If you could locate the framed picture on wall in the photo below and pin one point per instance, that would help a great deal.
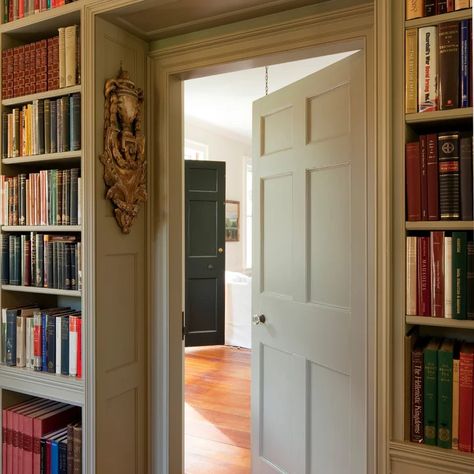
(232, 213)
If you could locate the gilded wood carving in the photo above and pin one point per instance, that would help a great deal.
(124, 149)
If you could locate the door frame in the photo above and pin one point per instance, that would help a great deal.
(326, 30)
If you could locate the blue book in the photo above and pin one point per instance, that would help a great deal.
(44, 345)
(465, 59)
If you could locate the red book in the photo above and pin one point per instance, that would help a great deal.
(21, 9)
(450, 6)
(53, 63)
(46, 424)
(41, 65)
(424, 177)
(413, 181)
(10, 11)
(79, 347)
(423, 286)
(4, 73)
(466, 376)
(19, 71)
(37, 6)
(10, 72)
(437, 274)
(432, 177)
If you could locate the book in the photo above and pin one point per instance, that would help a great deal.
(430, 7)
(427, 69)
(466, 399)
(423, 277)
(437, 273)
(411, 277)
(77, 450)
(470, 280)
(414, 9)
(430, 391)
(424, 177)
(62, 57)
(432, 177)
(448, 62)
(413, 181)
(441, 7)
(459, 274)
(466, 178)
(417, 380)
(445, 395)
(70, 60)
(411, 68)
(461, 4)
(465, 60)
(449, 176)
(455, 396)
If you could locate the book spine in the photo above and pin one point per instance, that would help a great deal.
(70, 449)
(445, 401)
(430, 395)
(423, 277)
(411, 69)
(465, 58)
(65, 123)
(441, 7)
(455, 397)
(459, 274)
(411, 280)
(40, 135)
(448, 277)
(58, 344)
(449, 176)
(37, 342)
(5, 259)
(54, 126)
(44, 344)
(414, 9)
(51, 343)
(20, 341)
(448, 62)
(62, 57)
(74, 196)
(79, 347)
(427, 69)
(461, 4)
(75, 122)
(5, 135)
(417, 424)
(10, 356)
(64, 345)
(432, 179)
(437, 274)
(424, 177)
(77, 449)
(413, 181)
(466, 178)
(70, 41)
(470, 280)
(41, 65)
(466, 369)
(73, 345)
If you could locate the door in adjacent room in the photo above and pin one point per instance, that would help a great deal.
(204, 322)
(309, 348)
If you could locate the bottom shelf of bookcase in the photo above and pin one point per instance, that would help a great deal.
(52, 386)
(430, 457)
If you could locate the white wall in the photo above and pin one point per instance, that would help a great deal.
(223, 146)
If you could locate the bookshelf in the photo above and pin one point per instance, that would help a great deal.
(18, 383)
(407, 127)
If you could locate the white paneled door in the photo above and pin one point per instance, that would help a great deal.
(309, 373)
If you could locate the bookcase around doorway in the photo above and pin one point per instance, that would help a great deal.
(410, 457)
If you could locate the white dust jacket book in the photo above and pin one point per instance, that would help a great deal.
(428, 69)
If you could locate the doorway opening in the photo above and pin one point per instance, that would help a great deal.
(220, 190)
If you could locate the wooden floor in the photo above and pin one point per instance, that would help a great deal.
(217, 410)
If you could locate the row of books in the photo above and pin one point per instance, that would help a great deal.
(48, 197)
(41, 436)
(439, 177)
(43, 65)
(47, 340)
(17, 9)
(422, 8)
(43, 126)
(440, 275)
(442, 392)
(41, 260)
(438, 67)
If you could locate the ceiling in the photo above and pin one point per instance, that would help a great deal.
(154, 19)
(225, 100)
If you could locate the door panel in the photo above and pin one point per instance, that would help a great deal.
(308, 363)
(205, 257)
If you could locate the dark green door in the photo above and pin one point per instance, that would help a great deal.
(205, 252)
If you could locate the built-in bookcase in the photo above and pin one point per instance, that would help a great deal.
(407, 127)
(17, 384)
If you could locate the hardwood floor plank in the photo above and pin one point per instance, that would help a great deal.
(217, 410)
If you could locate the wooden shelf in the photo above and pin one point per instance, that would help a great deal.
(44, 22)
(439, 115)
(65, 157)
(42, 291)
(459, 15)
(43, 384)
(41, 95)
(41, 228)
(440, 225)
(440, 322)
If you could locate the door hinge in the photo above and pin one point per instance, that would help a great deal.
(184, 330)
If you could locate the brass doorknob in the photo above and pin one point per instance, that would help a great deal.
(220, 250)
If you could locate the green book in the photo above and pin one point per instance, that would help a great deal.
(445, 394)
(459, 272)
(430, 395)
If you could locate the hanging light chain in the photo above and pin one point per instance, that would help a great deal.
(266, 80)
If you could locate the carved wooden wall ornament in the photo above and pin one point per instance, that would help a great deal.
(124, 149)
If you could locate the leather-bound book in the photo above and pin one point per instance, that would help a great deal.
(449, 171)
(430, 7)
(411, 280)
(445, 394)
(430, 391)
(465, 59)
(41, 65)
(448, 65)
(432, 172)
(417, 423)
(455, 392)
(77, 449)
(470, 280)
(466, 399)
(466, 178)
(413, 181)
(441, 7)
(414, 9)
(423, 277)
(437, 273)
(459, 275)
(424, 177)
